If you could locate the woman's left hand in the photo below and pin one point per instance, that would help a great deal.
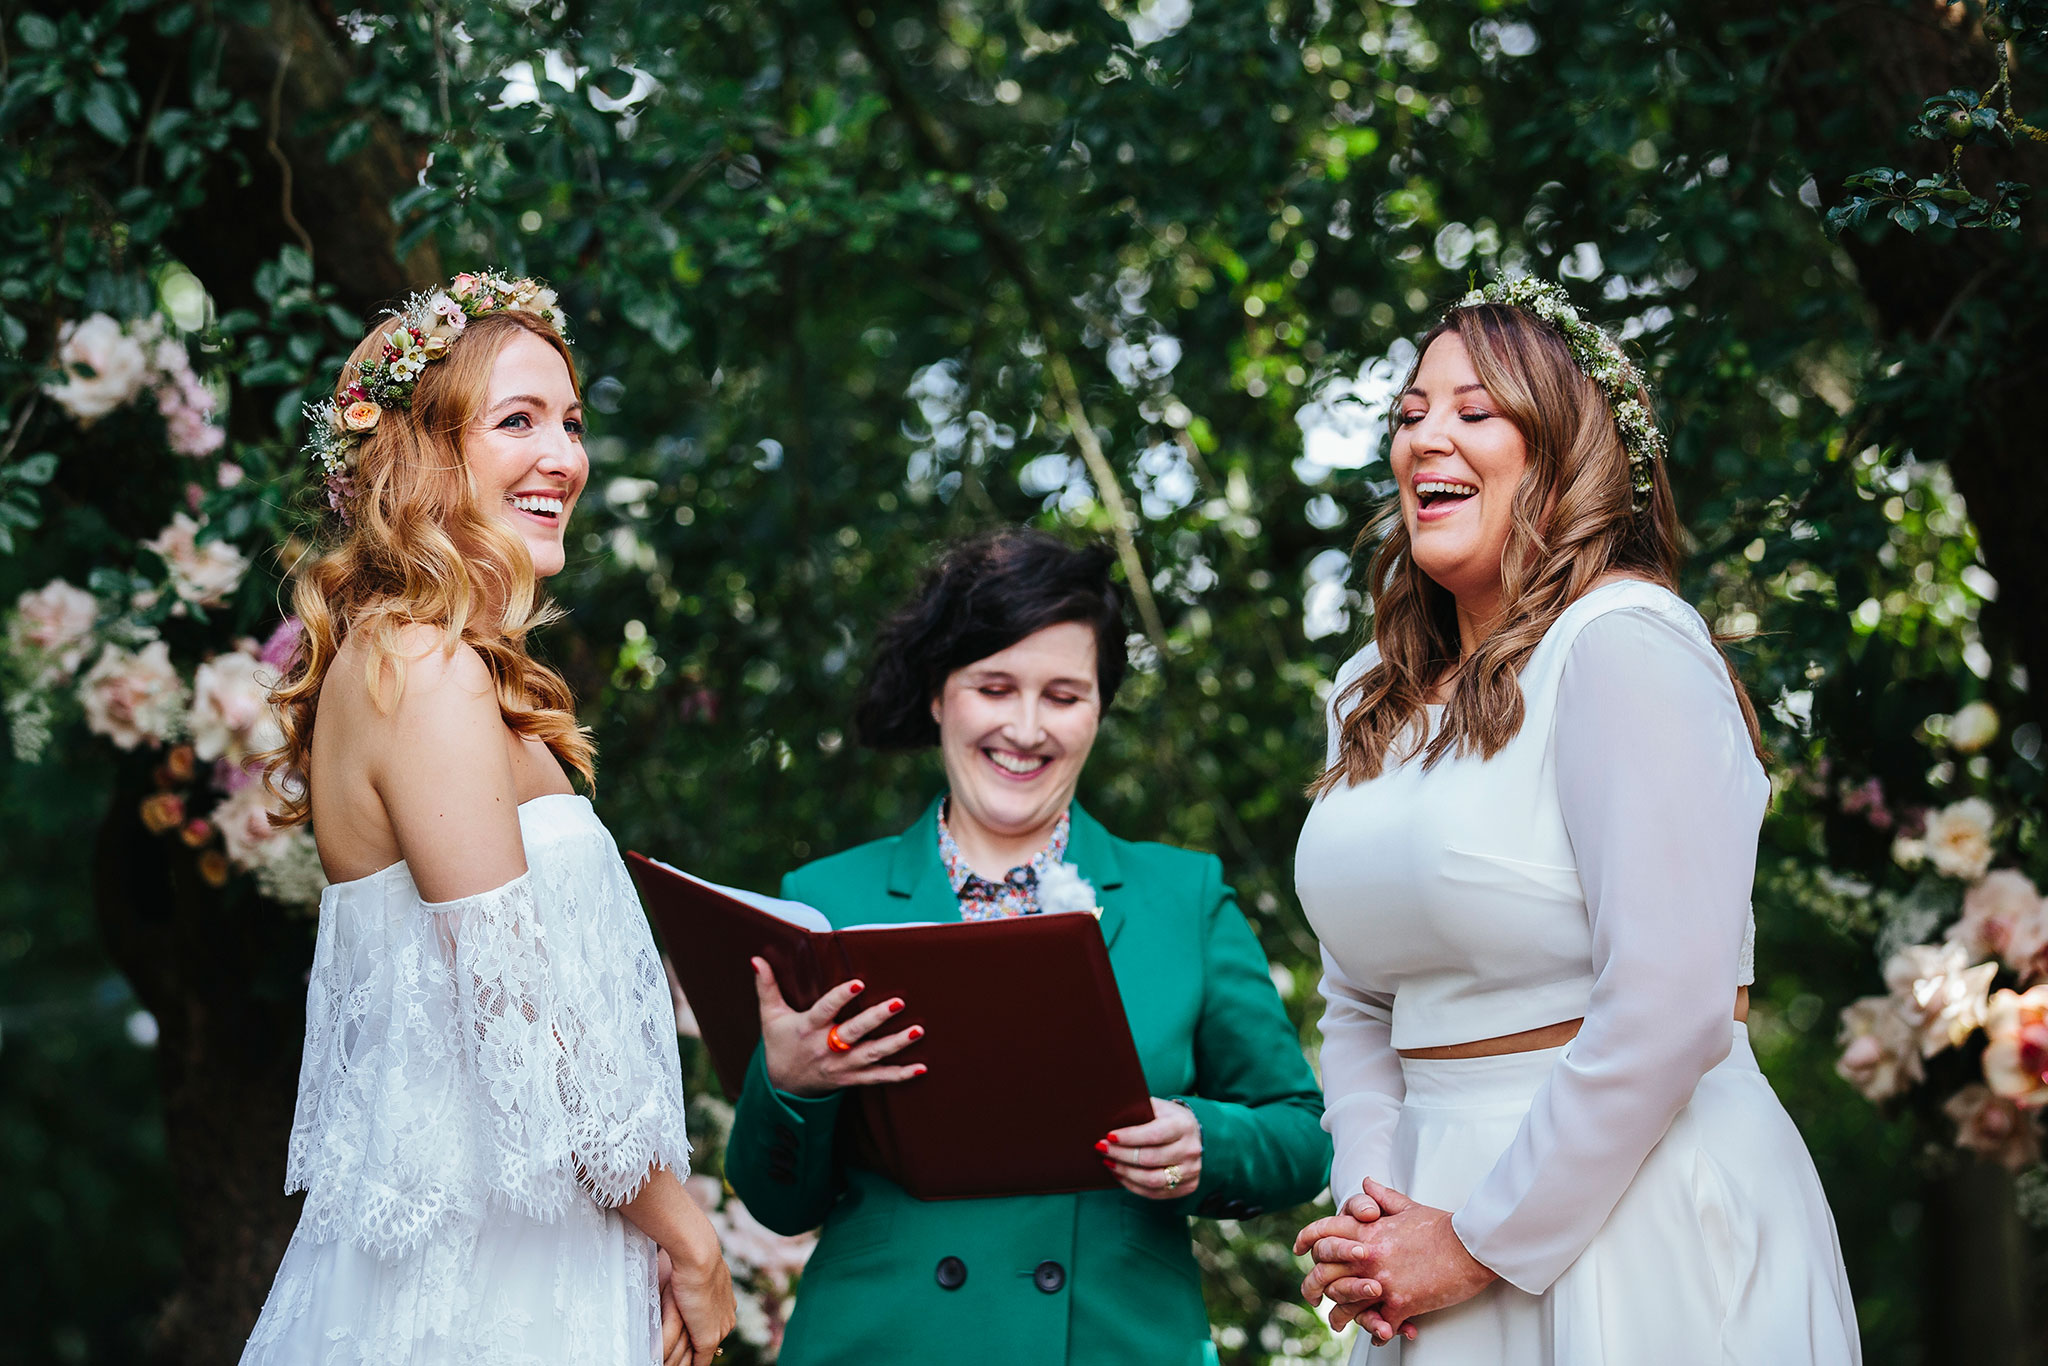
(1160, 1159)
(1414, 1259)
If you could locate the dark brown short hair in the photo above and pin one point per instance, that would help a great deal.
(982, 596)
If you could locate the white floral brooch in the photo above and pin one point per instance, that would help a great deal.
(1062, 888)
(428, 325)
(1599, 355)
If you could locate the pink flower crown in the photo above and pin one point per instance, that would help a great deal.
(427, 327)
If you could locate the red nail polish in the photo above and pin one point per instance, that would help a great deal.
(1114, 1139)
(859, 986)
(916, 1033)
(921, 1070)
(895, 1006)
(1103, 1146)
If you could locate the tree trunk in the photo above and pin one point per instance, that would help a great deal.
(224, 974)
(223, 971)
(1853, 83)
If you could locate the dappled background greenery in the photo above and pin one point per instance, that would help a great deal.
(849, 279)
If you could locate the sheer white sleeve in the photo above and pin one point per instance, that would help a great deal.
(1361, 1078)
(573, 1043)
(514, 1048)
(1361, 1071)
(1662, 797)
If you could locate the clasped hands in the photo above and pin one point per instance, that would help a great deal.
(1385, 1260)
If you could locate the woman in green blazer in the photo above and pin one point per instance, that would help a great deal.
(1007, 659)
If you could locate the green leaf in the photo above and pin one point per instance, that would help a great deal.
(101, 113)
(36, 32)
(37, 469)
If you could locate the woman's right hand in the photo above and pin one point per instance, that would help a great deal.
(800, 1056)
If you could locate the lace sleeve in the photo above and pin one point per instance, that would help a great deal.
(565, 1015)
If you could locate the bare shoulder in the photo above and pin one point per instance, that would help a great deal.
(419, 670)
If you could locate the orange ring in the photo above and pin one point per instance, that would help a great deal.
(835, 1043)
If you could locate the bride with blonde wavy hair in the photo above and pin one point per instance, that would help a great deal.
(1529, 862)
(489, 1128)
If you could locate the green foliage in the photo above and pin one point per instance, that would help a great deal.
(1957, 119)
(848, 282)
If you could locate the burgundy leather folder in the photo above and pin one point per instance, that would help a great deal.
(1030, 1055)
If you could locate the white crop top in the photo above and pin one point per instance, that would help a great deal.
(1597, 867)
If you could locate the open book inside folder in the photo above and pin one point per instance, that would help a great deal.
(1025, 1036)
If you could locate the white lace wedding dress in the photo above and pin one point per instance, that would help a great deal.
(483, 1080)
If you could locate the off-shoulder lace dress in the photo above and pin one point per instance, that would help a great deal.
(483, 1081)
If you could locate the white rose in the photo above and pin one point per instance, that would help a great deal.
(133, 696)
(203, 575)
(1958, 838)
(2016, 1059)
(231, 713)
(1880, 1056)
(53, 627)
(1062, 888)
(104, 368)
(1940, 991)
(1974, 726)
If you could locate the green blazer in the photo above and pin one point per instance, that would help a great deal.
(1102, 1278)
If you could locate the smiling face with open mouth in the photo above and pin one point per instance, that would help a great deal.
(1015, 729)
(525, 448)
(1458, 462)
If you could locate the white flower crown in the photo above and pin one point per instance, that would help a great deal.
(427, 326)
(1602, 359)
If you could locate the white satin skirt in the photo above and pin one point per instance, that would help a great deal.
(1722, 1252)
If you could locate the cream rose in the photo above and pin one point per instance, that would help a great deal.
(1974, 726)
(1958, 838)
(1880, 1048)
(133, 697)
(361, 416)
(1939, 990)
(104, 368)
(52, 628)
(2016, 1060)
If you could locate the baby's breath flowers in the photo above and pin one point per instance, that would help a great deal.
(1600, 356)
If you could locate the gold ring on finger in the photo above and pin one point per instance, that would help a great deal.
(1172, 1175)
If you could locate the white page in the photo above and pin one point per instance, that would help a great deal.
(795, 912)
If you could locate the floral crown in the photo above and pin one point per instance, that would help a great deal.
(427, 326)
(1600, 356)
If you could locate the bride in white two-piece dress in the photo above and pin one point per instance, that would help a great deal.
(490, 1116)
(1529, 864)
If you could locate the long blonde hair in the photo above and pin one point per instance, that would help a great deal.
(416, 544)
(1573, 522)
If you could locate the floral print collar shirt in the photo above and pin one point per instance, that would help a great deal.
(1017, 893)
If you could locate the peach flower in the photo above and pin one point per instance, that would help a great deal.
(361, 416)
(202, 575)
(54, 625)
(2004, 915)
(133, 696)
(231, 713)
(1993, 1127)
(1880, 1053)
